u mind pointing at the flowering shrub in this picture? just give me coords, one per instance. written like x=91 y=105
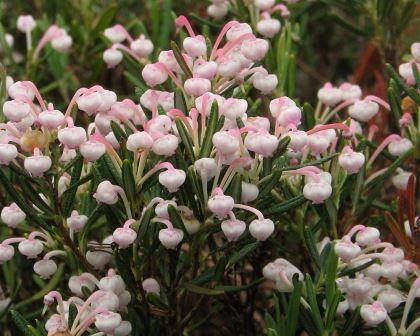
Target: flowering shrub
x=211 y=200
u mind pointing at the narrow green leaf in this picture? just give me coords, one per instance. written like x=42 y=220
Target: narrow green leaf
x=128 y=181
x=285 y=206
x=242 y=253
x=177 y=220
x=211 y=129
x=180 y=60
x=68 y=201
x=185 y=139
x=21 y=324
x=293 y=308
x=203 y=290
x=311 y=246
x=270 y=184
x=316 y=315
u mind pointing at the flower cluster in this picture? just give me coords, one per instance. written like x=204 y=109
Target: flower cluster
x=373 y=286
x=139 y=48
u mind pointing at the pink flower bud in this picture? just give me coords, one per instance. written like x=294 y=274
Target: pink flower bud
x=53 y=323
x=112 y=57
x=107 y=322
x=89 y=102
x=391 y=270
x=166 y=100
x=391 y=298
x=67 y=155
x=319 y=190
x=209 y=99
x=285 y=111
x=261 y=229
x=363 y=110
x=51 y=118
x=406 y=72
x=154 y=75
x=318 y=143
x=165 y=145
x=167 y=57
x=197 y=86
x=98 y=259
x=45 y=268
x=62 y=43
x=25 y=23
x=124 y=329
x=12 y=215
x=400 y=147
x=161 y=209
x=170 y=238
x=265 y=83
x=394 y=253
x=415 y=51
x=373 y=314
x=105 y=299
x=37 y=165
x=255 y=50
x=350 y=91
x=6 y=253
x=31 y=248
x=249 y=192
x=220 y=205
x=115 y=34
x=8 y=153
x=72 y=137
x=260 y=122
x=92 y=150
x=139 y=141
x=124 y=237
x=330 y=95
x=234 y=108
x=103 y=122
x=172 y=179
x=367 y=236
x=238 y=30
x=18 y=89
x=351 y=161
x=206 y=167
x=206 y=69
x=142 y=47
x=233 y=229
x=268 y=27
x=282 y=271
x=195 y=46
x=77 y=282
x=217 y=11
x=150 y=285
x=16 y=110
x=374 y=271
x=400 y=179
x=229 y=68
x=76 y=222
x=346 y=249
x=225 y=143
x=298 y=140
x=263 y=144
x=264 y=4
x=112 y=283
x=106 y=193
x=108 y=98
x=160 y=124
